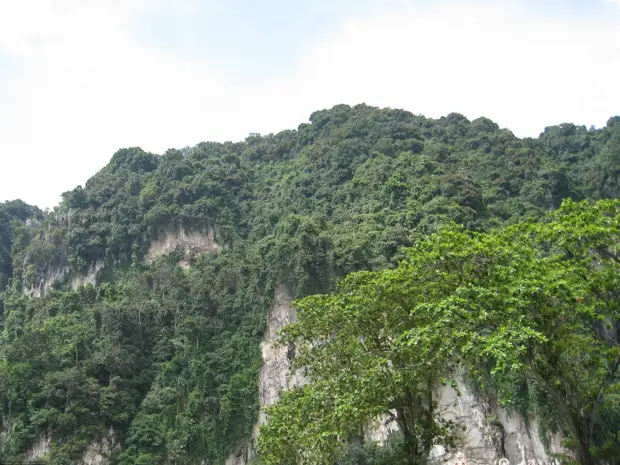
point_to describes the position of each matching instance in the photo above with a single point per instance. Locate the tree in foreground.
(535, 303)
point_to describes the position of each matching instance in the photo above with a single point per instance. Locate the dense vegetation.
(13, 218)
(168, 357)
(536, 305)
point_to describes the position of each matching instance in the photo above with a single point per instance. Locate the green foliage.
(393, 452)
(350, 347)
(536, 302)
(155, 356)
(13, 218)
(169, 358)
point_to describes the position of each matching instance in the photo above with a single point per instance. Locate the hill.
(138, 305)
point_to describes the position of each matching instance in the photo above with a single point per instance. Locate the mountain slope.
(164, 350)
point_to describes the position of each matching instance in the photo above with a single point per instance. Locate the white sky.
(79, 85)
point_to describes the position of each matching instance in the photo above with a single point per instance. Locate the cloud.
(87, 87)
(486, 60)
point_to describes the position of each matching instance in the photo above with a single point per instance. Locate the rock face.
(191, 241)
(44, 284)
(97, 453)
(38, 450)
(194, 241)
(490, 433)
(54, 275)
(90, 277)
(274, 371)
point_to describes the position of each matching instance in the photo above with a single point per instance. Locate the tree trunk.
(406, 422)
(429, 414)
(411, 445)
(411, 441)
(583, 452)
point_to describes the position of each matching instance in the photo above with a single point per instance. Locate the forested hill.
(167, 357)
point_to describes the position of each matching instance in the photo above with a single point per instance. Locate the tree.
(350, 346)
(538, 301)
(576, 308)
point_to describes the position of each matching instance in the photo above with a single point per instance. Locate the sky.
(80, 79)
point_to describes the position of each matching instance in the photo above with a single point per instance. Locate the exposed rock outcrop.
(489, 433)
(44, 283)
(53, 275)
(39, 450)
(170, 238)
(193, 241)
(274, 371)
(90, 277)
(97, 452)
(276, 362)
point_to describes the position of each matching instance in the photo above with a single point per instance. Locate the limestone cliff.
(53, 275)
(274, 372)
(44, 283)
(167, 241)
(489, 433)
(97, 452)
(192, 241)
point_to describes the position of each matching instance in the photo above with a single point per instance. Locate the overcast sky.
(80, 79)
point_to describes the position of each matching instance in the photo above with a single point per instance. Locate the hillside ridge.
(170, 264)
